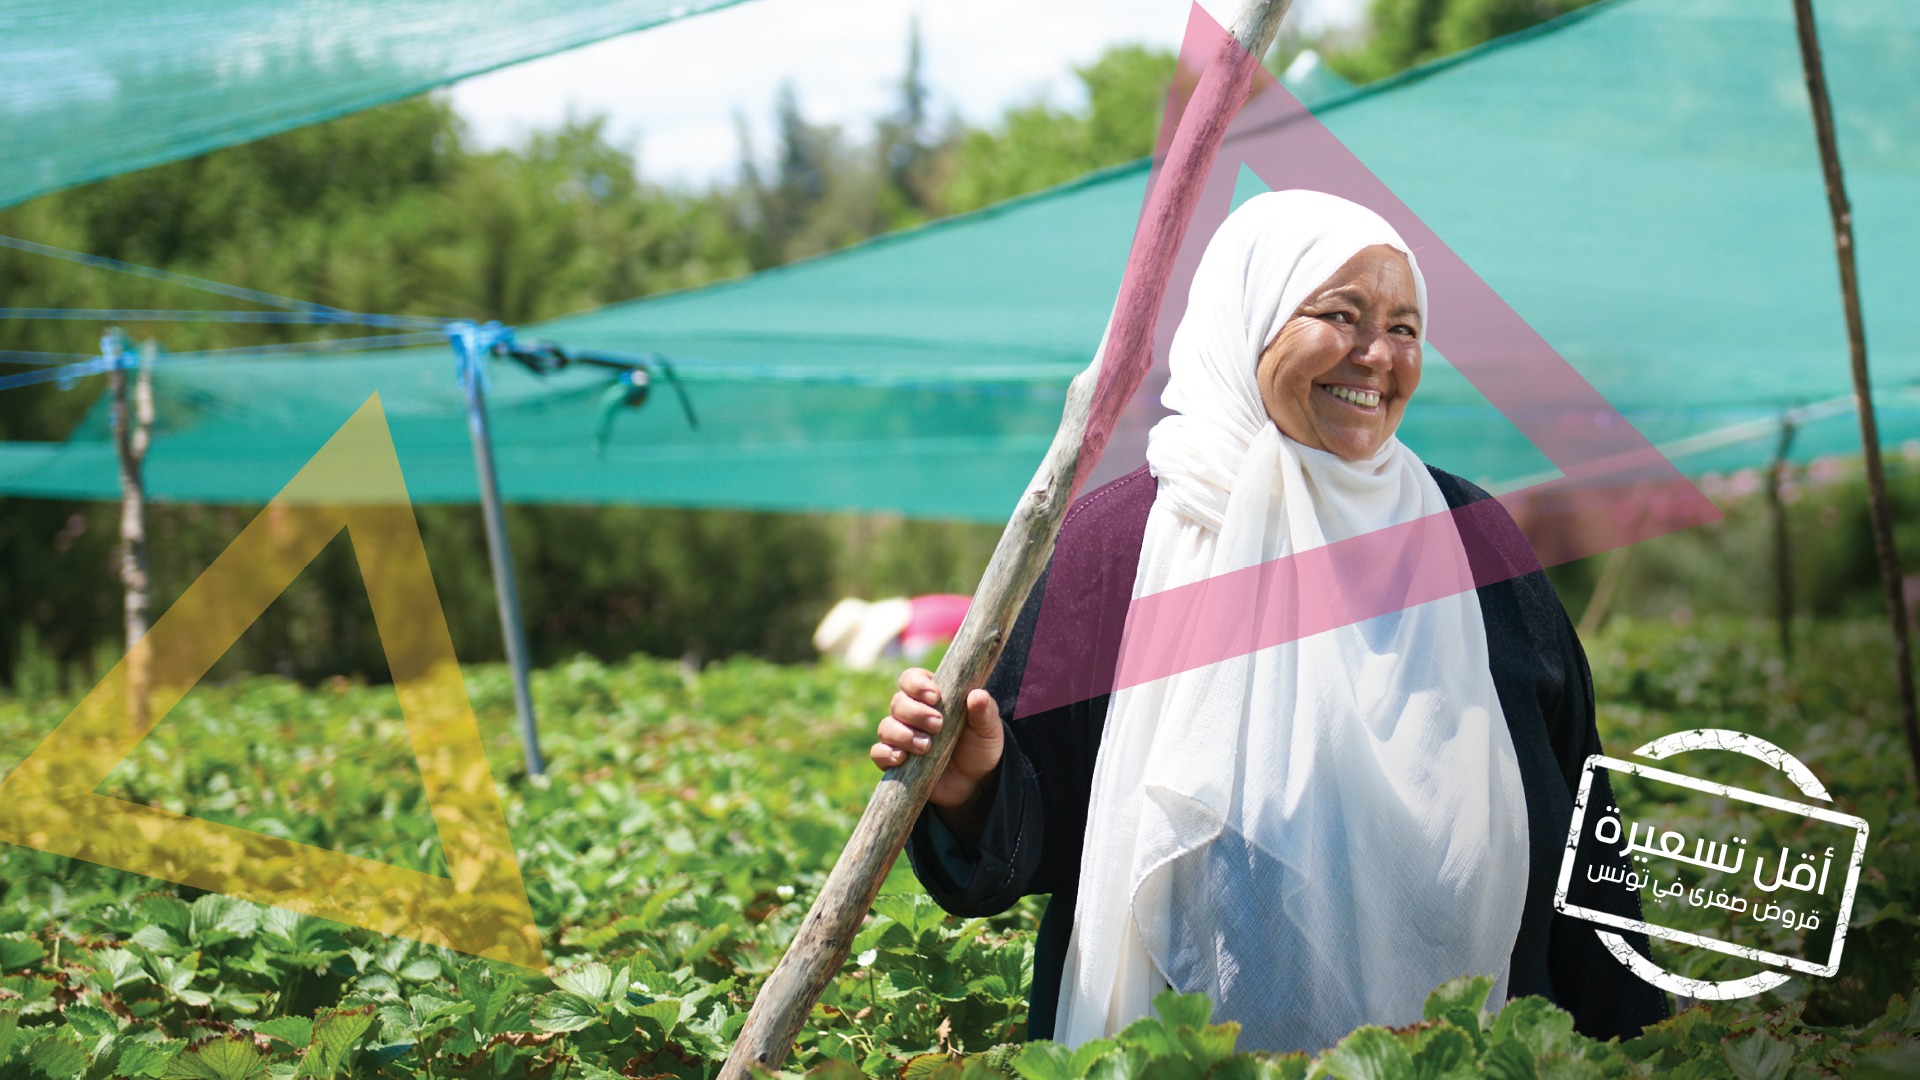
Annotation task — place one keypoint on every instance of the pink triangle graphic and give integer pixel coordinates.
(1616, 488)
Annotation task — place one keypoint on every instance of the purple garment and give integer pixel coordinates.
(1062, 654)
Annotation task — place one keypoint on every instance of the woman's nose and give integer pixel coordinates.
(1373, 350)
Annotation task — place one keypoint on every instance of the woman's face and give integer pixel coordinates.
(1338, 374)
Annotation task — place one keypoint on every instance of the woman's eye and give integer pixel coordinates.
(1337, 316)
(1403, 328)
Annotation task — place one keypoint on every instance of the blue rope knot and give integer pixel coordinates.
(472, 344)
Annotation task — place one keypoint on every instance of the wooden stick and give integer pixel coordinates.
(1782, 542)
(1093, 405)
(1877, 507)
(132, 430)
(1603, 591)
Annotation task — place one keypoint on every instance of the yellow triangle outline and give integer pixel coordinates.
(354, 482)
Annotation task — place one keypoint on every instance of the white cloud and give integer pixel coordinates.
(676, 89)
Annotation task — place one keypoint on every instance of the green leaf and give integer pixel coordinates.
(1507, 1061)
(925, 1066)
(234, 1058)
(295, 1031)
(9, 1026)
(1183, 1009)
(1151, 1036)
(1538, 1025)
(421, 1015)
(563, 1011)
(916, 911)
(420, 969)
(1757, 1055)
(1044, 1061)
(593, 981)
(336, 1035)
(18, 950)
(964, 939)
(699, 947)
(1089, 1052)
(976, 1067)
(58, 1056)
(874, 936)
(147, 1058)
(1369, 1053)
(122, 967)
(1209, 1044)
(92, 1022)
(663, 1015)
(155, 939)
(1252, 1067)
(1171, 1068)
(1443, 1052)
(1468, 992)
(489, 994)
(1562, 1067)
(216, 917)
(1117, 1065)
(36, 993)
(166, 911)
(1901, 1062)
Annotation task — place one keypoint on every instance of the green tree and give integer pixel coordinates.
(1036, 146)
(1409, 32)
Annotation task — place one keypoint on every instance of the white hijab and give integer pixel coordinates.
(1319, 833)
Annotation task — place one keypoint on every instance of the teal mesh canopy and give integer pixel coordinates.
(1640, 182)
(94, 89)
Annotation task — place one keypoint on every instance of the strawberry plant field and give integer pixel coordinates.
(683, 827)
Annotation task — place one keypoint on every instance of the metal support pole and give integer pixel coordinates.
(1877, 503)
(471, 344)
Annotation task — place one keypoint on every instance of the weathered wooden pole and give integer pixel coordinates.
(1604, 589)
(132, 430)
(1782, 551)
(820, 948)
(1877, 506)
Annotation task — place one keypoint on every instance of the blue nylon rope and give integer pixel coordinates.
(96, 365)
(156, 274)
(23, 357)
(234, 291)
(331, 316)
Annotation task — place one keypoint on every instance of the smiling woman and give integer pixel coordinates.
(1318, 833)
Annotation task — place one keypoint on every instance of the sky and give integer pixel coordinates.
(674, 91)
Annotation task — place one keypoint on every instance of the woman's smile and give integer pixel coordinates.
(1354, 397)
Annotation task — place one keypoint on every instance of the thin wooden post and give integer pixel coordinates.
(1877, 505)
(825, 937)
(1782, 555)
(132, 431)
(1603, 591)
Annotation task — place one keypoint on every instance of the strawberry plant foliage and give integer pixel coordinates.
(683, 830)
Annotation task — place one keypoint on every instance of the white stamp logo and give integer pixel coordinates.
(1785, 907)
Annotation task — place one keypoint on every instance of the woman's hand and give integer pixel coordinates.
(910, 727)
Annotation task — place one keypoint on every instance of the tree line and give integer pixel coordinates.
(393, 210)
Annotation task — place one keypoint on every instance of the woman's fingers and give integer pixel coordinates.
(918, 684)
(886, 757)
(914, 713)
(901, 737)
(983, 713)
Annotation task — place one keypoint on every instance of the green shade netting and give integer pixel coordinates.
(1639, 182)
(95, 89)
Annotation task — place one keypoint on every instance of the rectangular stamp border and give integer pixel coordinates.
(1605, 918)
